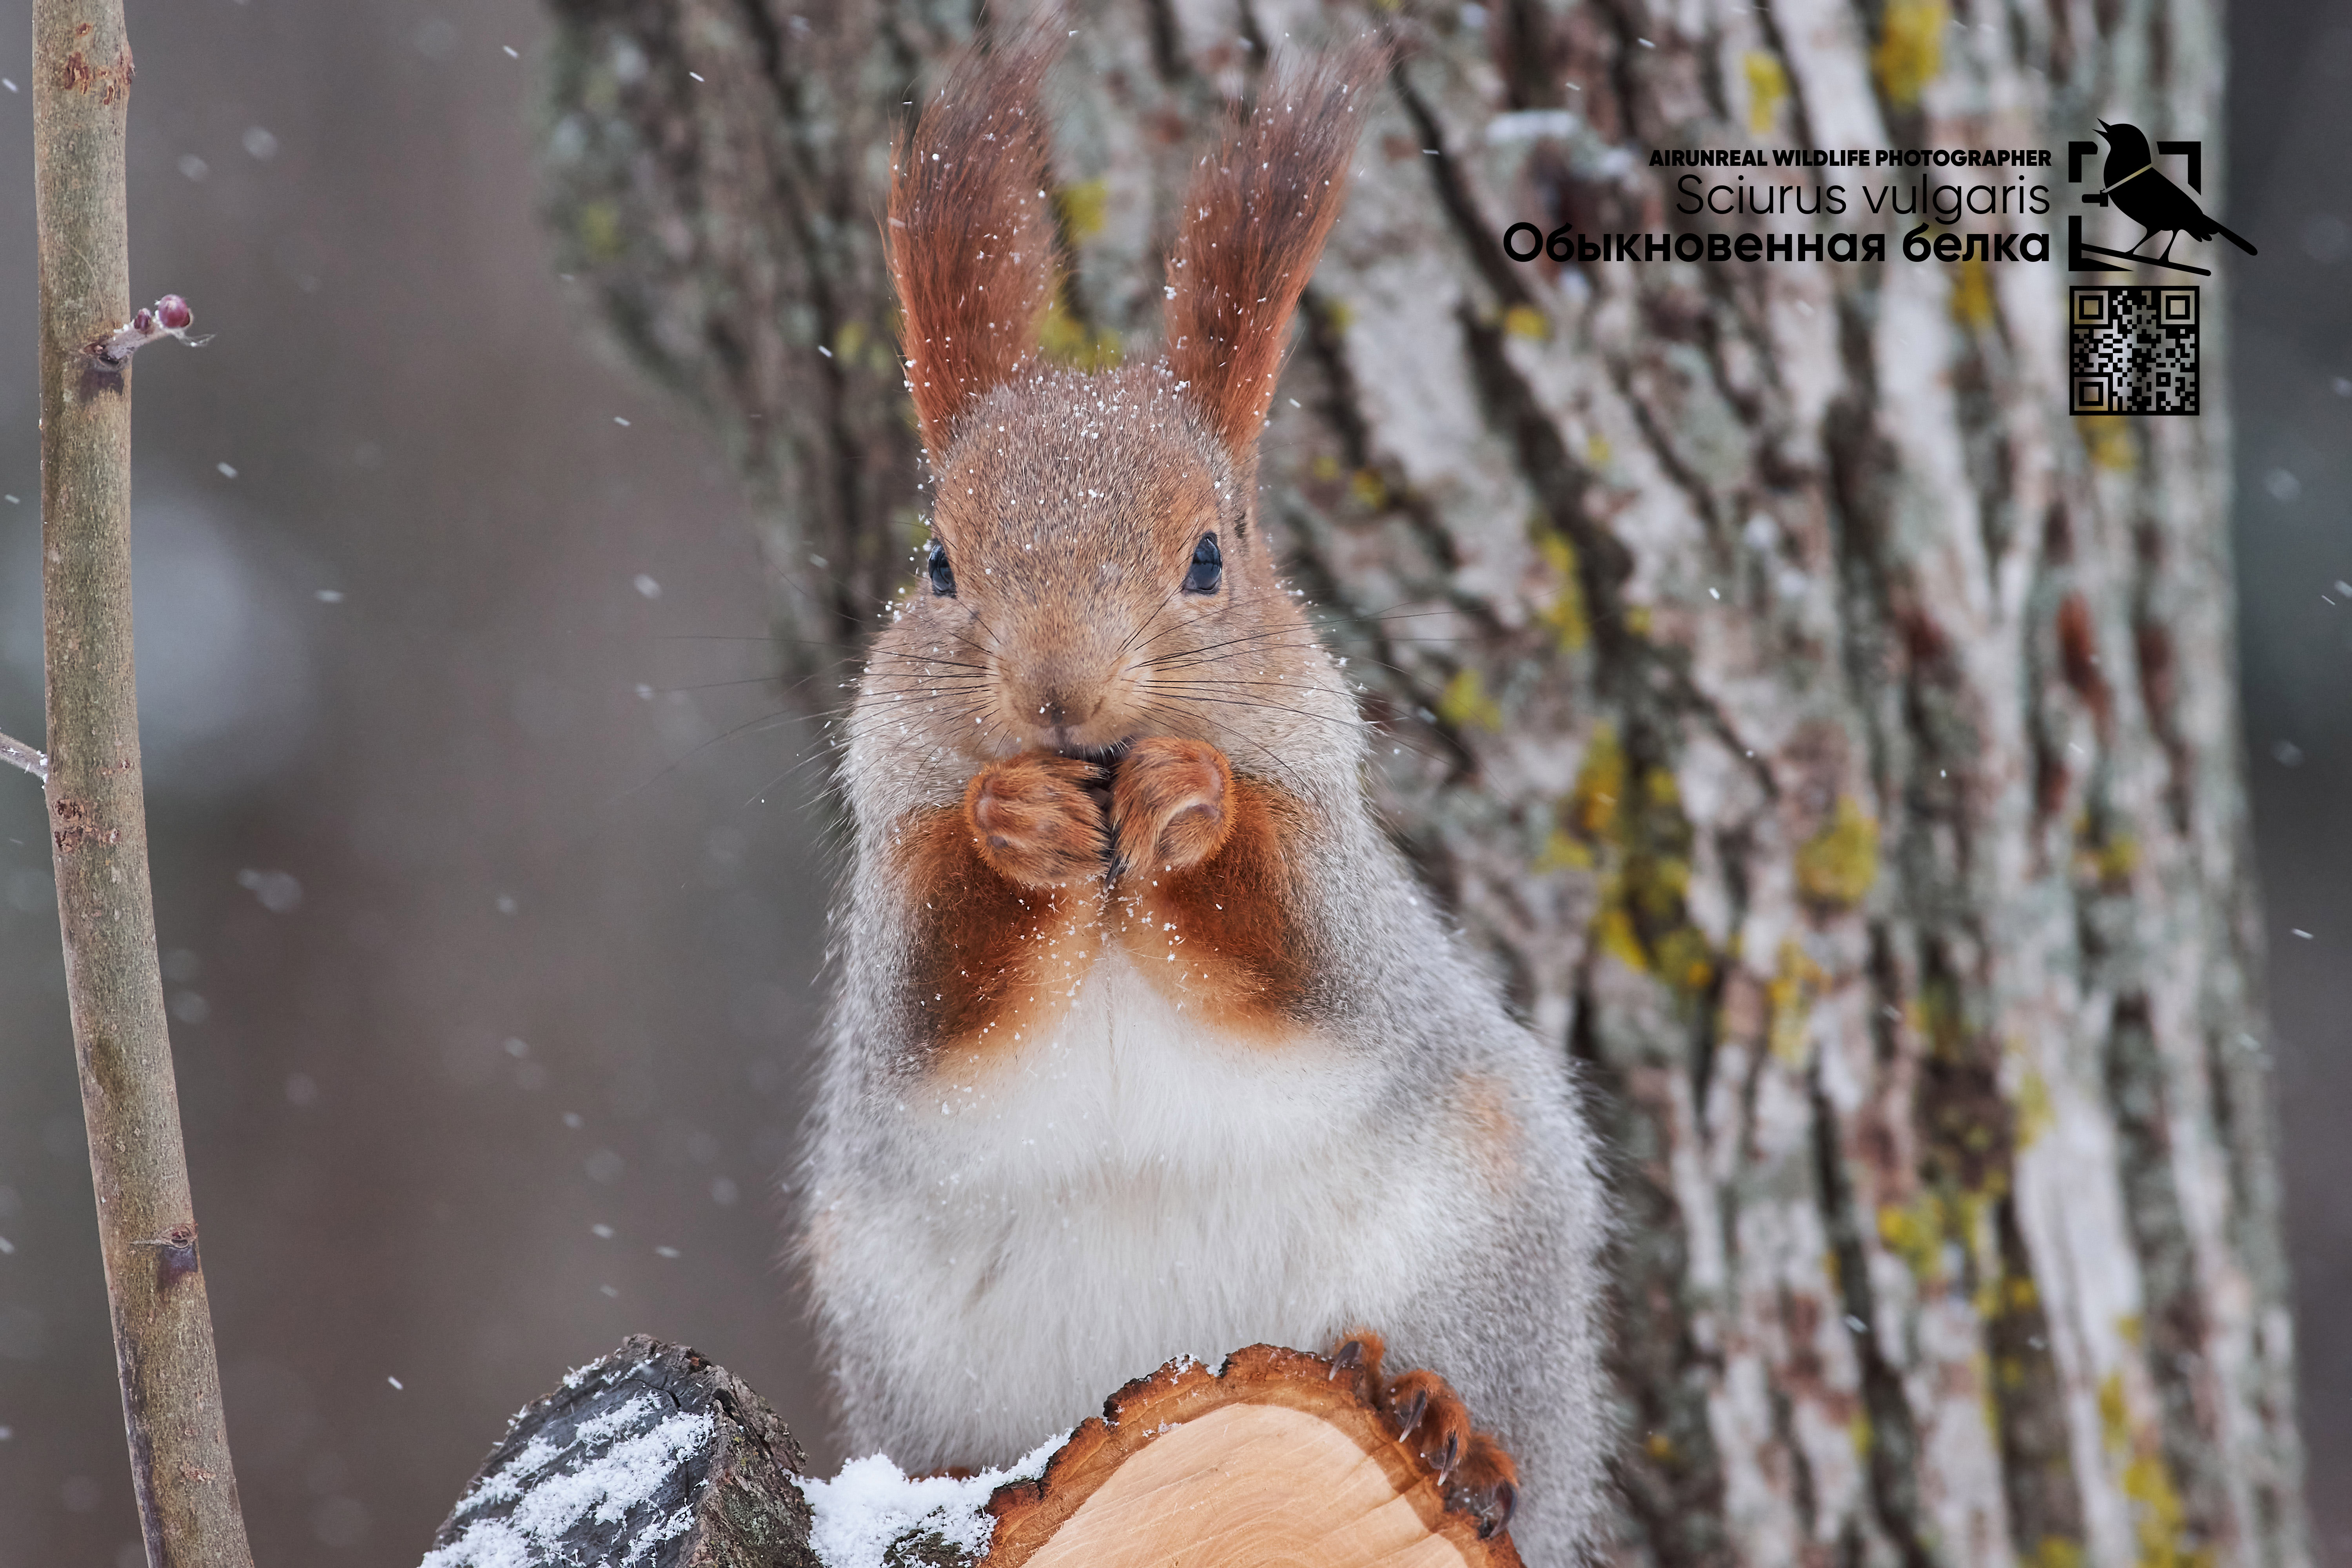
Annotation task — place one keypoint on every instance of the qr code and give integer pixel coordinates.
(2133, 349)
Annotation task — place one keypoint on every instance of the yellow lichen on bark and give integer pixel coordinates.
(1466, 704)
(1083, 207)
(1837, 866)
(1910, 49)
(1634, 831)
(1789, 995)
(1067, 340)
(1768, 89)
(1565, 614)
(1972, 301)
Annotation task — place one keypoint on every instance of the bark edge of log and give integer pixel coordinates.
(697, 1469)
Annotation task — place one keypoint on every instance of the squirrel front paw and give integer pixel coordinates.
(1474, 1474)
(1036, 820)
(1169, 805)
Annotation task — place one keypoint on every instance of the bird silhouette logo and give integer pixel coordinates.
(2132, 348)
(2132, 184)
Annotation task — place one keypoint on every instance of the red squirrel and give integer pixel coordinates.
(1145, 1042)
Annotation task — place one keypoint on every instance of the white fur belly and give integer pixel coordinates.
(1131, 1188)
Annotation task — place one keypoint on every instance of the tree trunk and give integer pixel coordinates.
(1835, 745)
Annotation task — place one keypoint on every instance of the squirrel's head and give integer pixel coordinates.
(1095, 571)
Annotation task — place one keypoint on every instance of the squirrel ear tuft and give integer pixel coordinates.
(1254, 222)
(969, 236)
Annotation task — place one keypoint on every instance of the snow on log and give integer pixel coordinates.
(653, 1458)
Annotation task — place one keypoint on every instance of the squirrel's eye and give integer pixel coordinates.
(1208, 567)
(942, 574)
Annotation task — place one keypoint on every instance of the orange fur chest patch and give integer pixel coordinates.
(992, 962)
(1223, 938)
(994, 966)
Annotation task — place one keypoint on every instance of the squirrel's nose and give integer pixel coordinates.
(1061, 711)
(1059, 698)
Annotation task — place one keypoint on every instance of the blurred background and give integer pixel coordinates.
(488, 882)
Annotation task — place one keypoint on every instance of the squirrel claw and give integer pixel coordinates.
(1485, 1486)
(1475, 1475)
(1408, 1413)
(1426, 1405)
(1491, 1509)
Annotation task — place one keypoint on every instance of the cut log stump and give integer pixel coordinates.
(653, 1458)
(1279, 1457)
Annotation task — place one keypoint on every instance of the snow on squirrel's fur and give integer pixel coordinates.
(873, 1502)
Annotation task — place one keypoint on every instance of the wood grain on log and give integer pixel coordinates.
(1277, 1456)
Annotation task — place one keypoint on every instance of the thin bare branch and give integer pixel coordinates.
(180, 1472)
(16, 753)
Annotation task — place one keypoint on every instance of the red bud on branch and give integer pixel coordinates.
(168, 317)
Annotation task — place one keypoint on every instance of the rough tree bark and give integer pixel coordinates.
(1836, 743)
(652, 1457)
(146, 1218)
